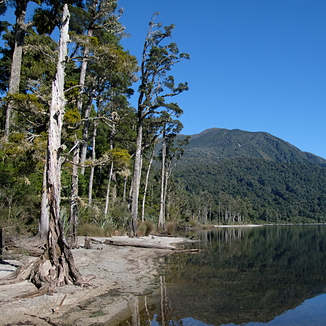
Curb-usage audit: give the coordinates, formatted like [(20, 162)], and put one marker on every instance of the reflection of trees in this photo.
[(162, 312), (248, 274), (166, 316)]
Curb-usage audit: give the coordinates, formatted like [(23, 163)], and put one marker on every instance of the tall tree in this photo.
[(14, 81), (56, 267), (171, 153), (170, 129), (60, 257), (155, 87), (96, 26)]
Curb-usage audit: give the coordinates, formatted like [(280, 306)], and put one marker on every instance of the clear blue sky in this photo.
[(256, 65)]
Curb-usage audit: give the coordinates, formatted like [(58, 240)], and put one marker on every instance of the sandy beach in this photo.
[(122, 274)]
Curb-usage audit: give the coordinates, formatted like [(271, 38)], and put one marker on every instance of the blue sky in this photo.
[(256, 65)]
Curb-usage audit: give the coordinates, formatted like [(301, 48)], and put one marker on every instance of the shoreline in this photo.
[(238, 225), (122, 274)]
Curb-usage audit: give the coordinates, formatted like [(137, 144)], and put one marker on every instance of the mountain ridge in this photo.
[(219, 143)]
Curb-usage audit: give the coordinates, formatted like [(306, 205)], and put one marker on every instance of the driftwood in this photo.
[(139, 245), (144, 245), (133, 244), (188, 250)]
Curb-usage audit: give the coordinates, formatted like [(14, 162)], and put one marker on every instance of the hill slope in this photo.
[(219, 143), (252, 176)]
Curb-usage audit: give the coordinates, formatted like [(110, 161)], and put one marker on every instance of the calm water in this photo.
[(273, 275)]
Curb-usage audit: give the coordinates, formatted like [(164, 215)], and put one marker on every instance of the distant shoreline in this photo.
[(258, 225), (238, 225)]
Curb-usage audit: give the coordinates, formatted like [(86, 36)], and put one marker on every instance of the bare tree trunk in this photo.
[(82, 77), (161, 218), (108, 190), (57, 267), (91, 176), (167, 175), (80, 105), (136, 181), (114, 187), (74, 198), (85, 135), (124, 188), (14, 81), (146, 185), (43, 227)]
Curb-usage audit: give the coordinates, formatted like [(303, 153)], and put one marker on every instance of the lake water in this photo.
[(270, 275)]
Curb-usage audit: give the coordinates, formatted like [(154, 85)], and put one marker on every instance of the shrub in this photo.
[(146, 228), (170, 227), (92, 230)]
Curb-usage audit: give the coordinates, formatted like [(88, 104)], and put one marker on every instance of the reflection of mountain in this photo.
[(251, 275)]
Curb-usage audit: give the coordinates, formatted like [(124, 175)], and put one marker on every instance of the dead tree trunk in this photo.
[(43, 227), (161, 218), (136, 182), (107, 197), (74, 198), (80, 104), (91, 176), (146, 185), (56, 267)]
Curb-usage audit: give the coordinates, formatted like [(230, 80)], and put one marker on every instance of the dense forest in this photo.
[(118, 167), (239, 176)]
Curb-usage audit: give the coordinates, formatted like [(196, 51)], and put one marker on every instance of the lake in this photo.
[(269, 275)]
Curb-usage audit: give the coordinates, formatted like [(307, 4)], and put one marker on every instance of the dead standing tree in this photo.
[(56, 267)]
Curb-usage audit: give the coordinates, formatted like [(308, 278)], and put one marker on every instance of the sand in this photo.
[(122, 274)]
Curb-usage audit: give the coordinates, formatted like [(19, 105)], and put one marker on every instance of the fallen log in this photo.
[(188, 250), (138, 244)]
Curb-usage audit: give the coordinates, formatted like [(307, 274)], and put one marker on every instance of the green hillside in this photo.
[(253, 176), (219, 143)]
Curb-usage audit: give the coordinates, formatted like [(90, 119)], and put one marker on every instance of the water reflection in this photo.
[(243, 276)]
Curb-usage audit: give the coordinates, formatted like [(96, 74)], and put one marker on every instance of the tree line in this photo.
[(253, 190)]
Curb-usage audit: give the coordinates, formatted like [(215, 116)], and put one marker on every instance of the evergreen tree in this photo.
[(155, 87)]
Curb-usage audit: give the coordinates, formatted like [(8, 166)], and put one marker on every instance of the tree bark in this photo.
[(88, 106), (84, 143), (91, 176), (161, 218), (146, 185), (107, 198), (43, 227), (74, 198), (136, 181)]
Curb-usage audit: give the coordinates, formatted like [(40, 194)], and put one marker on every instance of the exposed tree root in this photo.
[(46, 319), (21, 274), (47, 276)]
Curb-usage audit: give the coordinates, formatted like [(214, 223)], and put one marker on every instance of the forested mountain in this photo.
[(217, 143), (253, 176)]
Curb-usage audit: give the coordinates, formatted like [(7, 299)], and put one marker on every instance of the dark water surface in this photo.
[(271, 275)]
